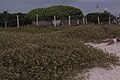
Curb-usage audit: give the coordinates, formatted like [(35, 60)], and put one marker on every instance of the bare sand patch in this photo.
[(100, 73)]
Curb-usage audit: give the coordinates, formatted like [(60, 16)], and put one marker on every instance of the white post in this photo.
[(78, 21), (86, 20), (5, 24), (109, 20), (55, 24), (98, 20), (18, 25), (83, 20), (37, 20), (116, 20), (69, 21)]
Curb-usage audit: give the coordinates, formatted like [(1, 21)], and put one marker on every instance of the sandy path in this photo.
[(103, 74), (113, 48)]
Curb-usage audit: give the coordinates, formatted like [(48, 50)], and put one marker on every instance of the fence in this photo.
[(67, 22)]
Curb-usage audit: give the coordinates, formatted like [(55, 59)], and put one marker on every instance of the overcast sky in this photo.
[(85, 5)]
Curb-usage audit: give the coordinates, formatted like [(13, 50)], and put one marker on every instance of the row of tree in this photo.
[(61, 12), (11, 19), (104, 17)]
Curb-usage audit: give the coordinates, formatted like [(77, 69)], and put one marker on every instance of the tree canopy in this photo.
[(61, 12), (11, 19), (104, 17)]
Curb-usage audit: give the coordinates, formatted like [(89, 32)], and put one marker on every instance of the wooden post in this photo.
[(98, 20), (5, 24), (78, 21), (83, 20), (109, 20), (69, 21), (37, 20), (86, 20), (18, 25), (55, 24), (116, 21)]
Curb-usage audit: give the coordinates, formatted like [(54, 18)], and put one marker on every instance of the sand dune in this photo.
[(103, 74)]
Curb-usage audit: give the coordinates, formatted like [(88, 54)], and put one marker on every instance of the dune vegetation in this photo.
[(49, 53)]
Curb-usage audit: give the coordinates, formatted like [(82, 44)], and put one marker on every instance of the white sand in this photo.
[(103, 74)]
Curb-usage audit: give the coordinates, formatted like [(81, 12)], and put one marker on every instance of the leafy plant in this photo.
[(48, 53)]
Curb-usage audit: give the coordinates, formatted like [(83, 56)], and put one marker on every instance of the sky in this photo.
[(87, 6)]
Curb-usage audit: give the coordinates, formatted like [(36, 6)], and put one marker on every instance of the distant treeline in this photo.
[(104, 17), (47, 14), (11, 19)]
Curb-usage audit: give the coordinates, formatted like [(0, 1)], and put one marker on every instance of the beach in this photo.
[(100, 73)]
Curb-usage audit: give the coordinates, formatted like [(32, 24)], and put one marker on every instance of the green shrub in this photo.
[(49, 53)]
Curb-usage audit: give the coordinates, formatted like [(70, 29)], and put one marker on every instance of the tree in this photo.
[(3, 18), (61, 12), (92, 17), (104, 17), (11, 19)]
